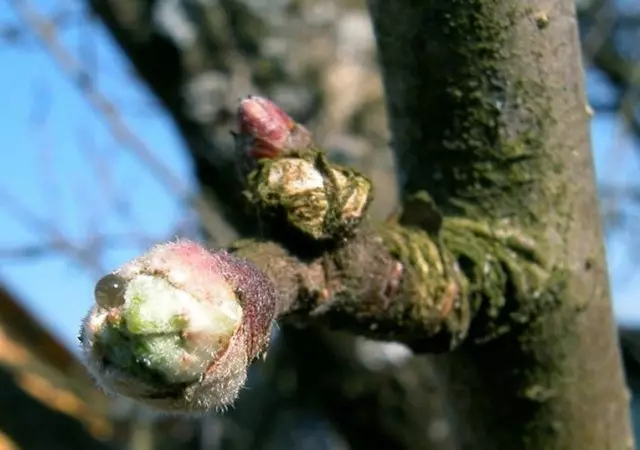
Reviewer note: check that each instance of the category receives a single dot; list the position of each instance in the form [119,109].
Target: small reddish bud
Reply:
[176,329]
[266,131]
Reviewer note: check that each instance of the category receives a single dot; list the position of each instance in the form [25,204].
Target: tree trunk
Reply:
[487,111]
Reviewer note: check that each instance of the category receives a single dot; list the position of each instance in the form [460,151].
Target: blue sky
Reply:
[61,164]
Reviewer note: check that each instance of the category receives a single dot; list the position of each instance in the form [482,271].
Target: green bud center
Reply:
[165,334]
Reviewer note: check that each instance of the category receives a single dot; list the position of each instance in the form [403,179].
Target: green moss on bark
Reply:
[473,159]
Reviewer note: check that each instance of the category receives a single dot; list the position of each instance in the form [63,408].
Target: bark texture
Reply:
[487,111]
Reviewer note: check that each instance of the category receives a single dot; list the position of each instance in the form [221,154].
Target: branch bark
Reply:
[487,111]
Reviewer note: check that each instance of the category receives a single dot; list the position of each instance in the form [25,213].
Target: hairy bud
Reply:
[176,328]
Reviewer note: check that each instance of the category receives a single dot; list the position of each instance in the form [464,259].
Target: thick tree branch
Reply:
[391,283]
[488,114]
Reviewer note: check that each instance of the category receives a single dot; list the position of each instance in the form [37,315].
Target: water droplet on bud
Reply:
[109,291]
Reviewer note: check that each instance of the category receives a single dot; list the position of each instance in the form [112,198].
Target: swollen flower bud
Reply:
[176,328]
[266,131]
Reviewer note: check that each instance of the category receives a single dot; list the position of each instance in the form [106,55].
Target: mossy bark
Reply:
[487,111]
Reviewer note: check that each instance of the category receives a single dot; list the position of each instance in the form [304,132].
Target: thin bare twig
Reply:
[46,31]
[89,259]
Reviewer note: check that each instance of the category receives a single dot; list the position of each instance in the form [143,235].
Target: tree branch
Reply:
[417,279]
[488,114]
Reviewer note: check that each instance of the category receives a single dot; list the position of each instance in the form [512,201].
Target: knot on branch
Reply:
[464,278]
[509,281]
[433,289]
